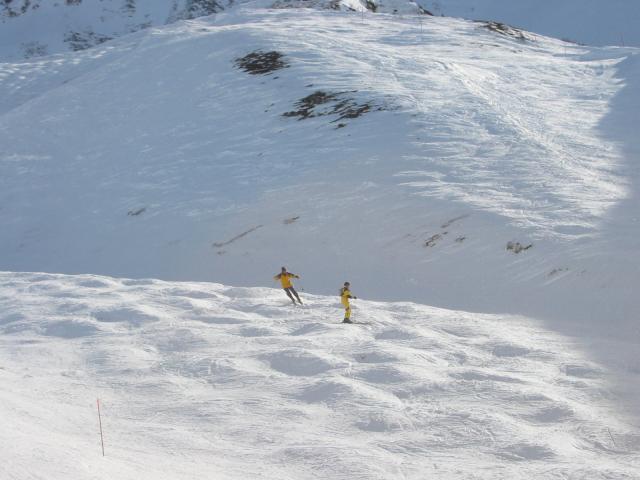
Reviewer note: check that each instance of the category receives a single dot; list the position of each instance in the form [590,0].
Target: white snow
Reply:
[592,22]
[35,28]
[207,381]
[482,140]
[31,28]
[491,174]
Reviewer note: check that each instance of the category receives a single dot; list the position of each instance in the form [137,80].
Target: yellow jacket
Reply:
[345,295]
[285,279]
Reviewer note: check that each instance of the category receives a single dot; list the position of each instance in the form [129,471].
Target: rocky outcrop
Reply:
[78,24]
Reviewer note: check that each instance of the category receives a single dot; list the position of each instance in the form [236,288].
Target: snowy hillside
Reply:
[467,166]
[591,22]
[428,159]
[35,28]
[206,381]
[30,28]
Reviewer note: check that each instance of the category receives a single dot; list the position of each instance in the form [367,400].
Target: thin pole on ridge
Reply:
[611,436]
[100,423]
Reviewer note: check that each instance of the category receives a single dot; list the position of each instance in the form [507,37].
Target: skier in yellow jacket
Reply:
[345,295]
[285,280]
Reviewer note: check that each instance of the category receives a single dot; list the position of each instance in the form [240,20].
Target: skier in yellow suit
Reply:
[285,280]
[345,295]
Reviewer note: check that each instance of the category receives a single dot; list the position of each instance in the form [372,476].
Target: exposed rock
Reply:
[504,29]
[517,247]
[261,63]
[321,103]
[83,40]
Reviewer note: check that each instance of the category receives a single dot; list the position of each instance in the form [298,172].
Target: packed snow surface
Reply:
[467,169]
[463,165]
[202,380]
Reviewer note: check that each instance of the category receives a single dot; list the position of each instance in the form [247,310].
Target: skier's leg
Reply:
[296,294]
[347,314]
[289,295]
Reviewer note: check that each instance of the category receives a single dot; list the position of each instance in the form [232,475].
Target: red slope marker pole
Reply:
[100,423]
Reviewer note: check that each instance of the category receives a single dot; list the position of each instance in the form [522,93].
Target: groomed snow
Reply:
[206,381]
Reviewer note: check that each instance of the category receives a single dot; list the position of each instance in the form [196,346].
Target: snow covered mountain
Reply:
[592,22]
[200,381]
[30,28]
[468,166]
[430,159]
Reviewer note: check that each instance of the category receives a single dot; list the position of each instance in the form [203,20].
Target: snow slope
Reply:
[207,381]
[445,162]
[156,156]
[31,28]
[35,28]
[592,22]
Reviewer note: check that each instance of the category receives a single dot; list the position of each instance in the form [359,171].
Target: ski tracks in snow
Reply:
[234,379]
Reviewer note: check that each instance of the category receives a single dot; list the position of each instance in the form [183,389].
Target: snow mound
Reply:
[289,392]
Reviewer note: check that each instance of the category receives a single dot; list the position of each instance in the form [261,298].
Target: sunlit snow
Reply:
[478,186]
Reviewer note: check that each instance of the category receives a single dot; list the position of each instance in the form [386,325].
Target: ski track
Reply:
[481,140]
[472,123]
[203,379]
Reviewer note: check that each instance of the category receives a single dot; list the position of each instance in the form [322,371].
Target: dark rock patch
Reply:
[434,239]
[517,247]
[137,211]
[237,237]
[83,40]
[453,220]
[557,271]
[201,8]
[506,30]
[15,11]
[261,63]
[34,49]
[321,103]
[306,107]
